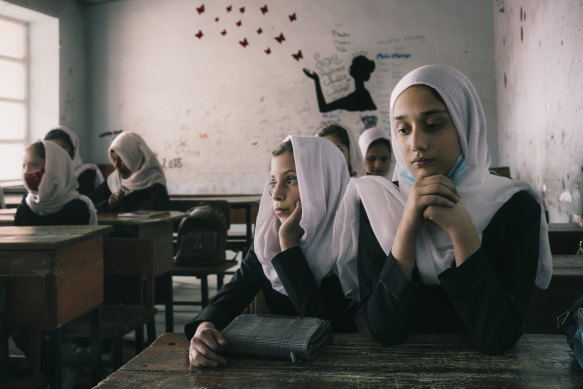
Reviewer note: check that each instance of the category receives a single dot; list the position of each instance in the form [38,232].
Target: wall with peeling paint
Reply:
[213,108]
[539,81]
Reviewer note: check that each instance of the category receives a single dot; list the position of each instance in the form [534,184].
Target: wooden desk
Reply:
[564,238]
[50,278]
[143,247]
[355,360]
[7,216]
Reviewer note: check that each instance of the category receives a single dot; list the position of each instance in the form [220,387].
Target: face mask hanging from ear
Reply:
[459,167]
[33,179]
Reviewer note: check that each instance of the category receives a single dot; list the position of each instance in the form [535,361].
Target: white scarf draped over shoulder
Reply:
[78,165]
[482,194]
[139,159]
[58,185]
[322,179]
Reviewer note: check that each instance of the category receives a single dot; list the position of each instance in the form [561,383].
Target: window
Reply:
[14,134]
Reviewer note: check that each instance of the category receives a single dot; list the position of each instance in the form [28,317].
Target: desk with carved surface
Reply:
[356,360]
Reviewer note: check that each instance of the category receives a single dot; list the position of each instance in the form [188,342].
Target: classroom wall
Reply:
[213,98]
[539,80]
[72,69]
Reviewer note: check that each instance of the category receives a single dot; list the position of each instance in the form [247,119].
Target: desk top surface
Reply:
[46,237]
[232,199]
[356,360]
[564,227]
[116,219]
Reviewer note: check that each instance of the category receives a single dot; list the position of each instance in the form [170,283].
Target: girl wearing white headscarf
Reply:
[88,174]
[345,141]
[138,181]
[375,148]
[291,261]
[52,190]
[452,248]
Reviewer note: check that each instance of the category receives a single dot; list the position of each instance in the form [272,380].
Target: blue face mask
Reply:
[459,167]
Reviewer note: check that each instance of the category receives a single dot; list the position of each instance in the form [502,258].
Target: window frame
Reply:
[25,101]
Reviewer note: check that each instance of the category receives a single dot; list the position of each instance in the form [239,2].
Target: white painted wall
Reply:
[539,78]
[220,108]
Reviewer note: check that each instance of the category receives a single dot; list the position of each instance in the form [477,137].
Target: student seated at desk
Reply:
[52,197]
[452,248]
[138,181]
[291,259]
[342,138]
[88,175]
[376,150]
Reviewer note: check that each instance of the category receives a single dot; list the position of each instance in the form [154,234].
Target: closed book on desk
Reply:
[276,336]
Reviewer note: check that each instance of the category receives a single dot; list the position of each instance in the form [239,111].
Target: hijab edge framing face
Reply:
[322,178]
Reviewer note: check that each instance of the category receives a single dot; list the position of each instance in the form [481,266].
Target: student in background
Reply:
[88,175]
[375,147]
[290,261]
[52,197]
[138,181]
[342,138]
[452,248]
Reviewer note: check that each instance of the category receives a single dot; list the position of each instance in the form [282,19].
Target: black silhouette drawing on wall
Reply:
[360,99]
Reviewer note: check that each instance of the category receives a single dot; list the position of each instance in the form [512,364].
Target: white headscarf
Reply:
[322,179]
[366,138]
[78,165]
[482,194]
[139,159]
[58,185]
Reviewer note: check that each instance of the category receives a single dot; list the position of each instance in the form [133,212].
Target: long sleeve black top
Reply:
[304,297]
[154,198]
[487,296]
[75,212]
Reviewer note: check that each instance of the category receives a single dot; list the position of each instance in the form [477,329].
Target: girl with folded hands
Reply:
[451,248]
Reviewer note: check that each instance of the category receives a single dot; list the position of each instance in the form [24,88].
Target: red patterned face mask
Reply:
[33,179]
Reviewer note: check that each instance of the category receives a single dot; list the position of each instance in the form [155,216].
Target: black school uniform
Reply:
[75,212]
[86,181]
[304,297]
[154,197]
[487,296]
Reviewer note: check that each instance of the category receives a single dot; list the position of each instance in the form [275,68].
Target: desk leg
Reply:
[204,290]
[170,306]
[55,365]
[220,280]
[96,345]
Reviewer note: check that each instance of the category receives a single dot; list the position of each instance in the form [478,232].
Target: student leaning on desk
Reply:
[451,248]
[138,181]
[290,261]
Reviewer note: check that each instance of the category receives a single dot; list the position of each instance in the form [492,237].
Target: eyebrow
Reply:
[424,114]
[284,173]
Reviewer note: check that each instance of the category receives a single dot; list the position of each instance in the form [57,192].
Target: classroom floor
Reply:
[185,288]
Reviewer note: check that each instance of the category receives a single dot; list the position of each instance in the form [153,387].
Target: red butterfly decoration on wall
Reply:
[264,9]
[267,51]
[244,42]
[280,38]
[298,56]
[242,9]
[229,8]
[216,19]
[199,34]
[292,17]
[239,23]
[200,9]
[259,31]
[224,32]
